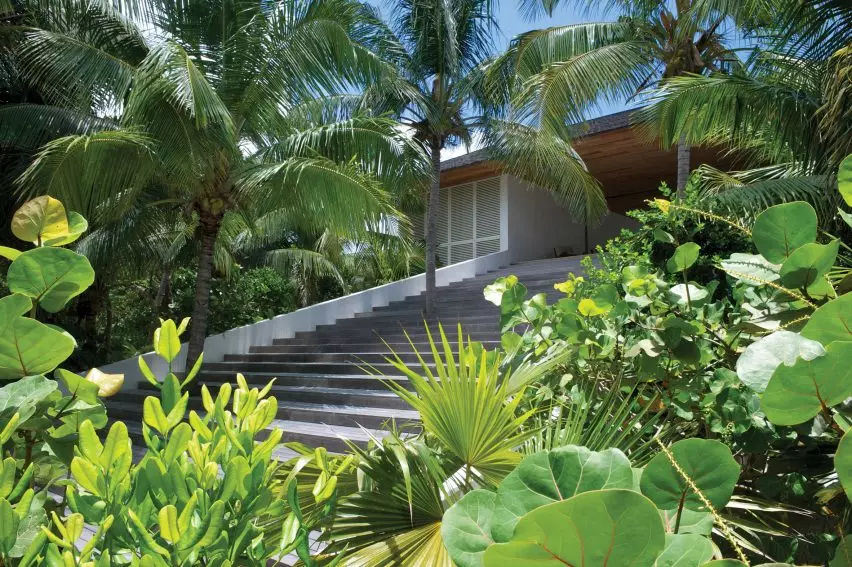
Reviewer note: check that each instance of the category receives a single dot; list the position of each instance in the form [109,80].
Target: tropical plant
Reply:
[576,506]
[219,113]
[785,112]
[440,52]
[557,74]
[38,420]
[472,434]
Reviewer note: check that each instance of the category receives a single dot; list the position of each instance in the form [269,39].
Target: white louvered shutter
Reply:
[469,221]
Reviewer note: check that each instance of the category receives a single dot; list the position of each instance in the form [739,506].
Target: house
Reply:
[483,210]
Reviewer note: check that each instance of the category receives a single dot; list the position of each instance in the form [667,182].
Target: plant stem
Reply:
[679,511]
[686,287]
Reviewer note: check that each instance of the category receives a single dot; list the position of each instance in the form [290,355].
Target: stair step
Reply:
[360,381]
[297,367]
[336,357]
[331,348]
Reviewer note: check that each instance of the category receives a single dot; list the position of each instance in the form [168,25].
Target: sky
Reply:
[512,23]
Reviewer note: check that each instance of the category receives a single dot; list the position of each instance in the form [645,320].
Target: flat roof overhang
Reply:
[629,167]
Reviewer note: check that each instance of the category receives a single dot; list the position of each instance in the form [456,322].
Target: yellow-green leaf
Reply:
[169,524]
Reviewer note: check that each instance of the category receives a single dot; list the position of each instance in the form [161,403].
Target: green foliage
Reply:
[39,422]
[709,466]
[611,527]
[576,506]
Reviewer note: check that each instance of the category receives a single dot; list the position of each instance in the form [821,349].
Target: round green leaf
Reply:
[28,347]
[550,476]
[691,522]
[12,306]
[51,276]
[831,322]
[685,550]
[78,386]
[844,180]
[615,528]
[843,554]
[759,361]
[697,294]
[708,463]
[601,302]
[797,393]
[808,263]
[779,230]
[751,268]
[40,219]
[77,225]
[684,256]
[466,528]
[843,463]
[22,396]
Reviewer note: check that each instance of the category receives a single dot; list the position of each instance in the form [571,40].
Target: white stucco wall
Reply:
[537,224]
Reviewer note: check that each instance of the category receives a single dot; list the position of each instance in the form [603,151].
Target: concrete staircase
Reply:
[323,395]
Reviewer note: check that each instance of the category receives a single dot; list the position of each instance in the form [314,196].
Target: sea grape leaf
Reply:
[550,476]
[23,396]
[40,219]
[494,292]
[77,385]
[751,268]
[77,225]
[831,322]
[28,347]
[683,257]
[843,463]
[843,553]
[758,362]
[50,276]
[466,527]
[685,550]
[691,522]
[697,294]
[781,229]
[798,393]
[601,302]
[13,306]
[707,462]
[615,527]
[808,264]
[844,180]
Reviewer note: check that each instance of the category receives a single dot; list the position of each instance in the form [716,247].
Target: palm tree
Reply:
[559,73]
[788,111]
[440,51]
[226,112]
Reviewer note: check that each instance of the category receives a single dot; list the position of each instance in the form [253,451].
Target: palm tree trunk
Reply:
[684,155]
[162,290]
[209,228]
[432,206]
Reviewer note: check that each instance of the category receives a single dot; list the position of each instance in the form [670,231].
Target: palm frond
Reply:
[72,170]
[320,191]
[30,126]
[600,417]
[465,406]
[72,72]
[772,120]
[751,191]
[547,160]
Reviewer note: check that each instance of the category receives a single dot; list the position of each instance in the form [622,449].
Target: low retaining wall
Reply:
[238,341]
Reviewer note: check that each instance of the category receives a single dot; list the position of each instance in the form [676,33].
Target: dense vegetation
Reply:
[686,401]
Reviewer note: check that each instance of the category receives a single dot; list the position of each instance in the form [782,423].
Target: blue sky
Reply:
[512,23]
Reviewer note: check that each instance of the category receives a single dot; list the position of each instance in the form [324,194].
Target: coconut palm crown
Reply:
[235,110]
